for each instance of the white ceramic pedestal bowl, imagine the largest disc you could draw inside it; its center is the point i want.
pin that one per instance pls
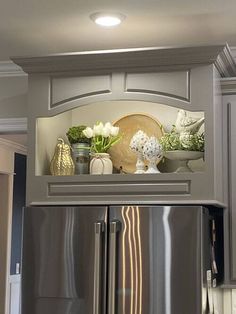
(183, 156)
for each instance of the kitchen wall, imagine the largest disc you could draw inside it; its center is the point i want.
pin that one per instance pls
(13, 95)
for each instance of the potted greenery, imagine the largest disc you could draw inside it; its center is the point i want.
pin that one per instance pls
(75, 135)
(182, 147)
(80, 148)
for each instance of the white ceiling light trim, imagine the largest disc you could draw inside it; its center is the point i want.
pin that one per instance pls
(107, 19)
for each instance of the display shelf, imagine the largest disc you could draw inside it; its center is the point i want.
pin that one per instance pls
(49, 129)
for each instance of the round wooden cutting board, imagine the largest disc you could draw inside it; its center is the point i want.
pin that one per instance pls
(121, 155)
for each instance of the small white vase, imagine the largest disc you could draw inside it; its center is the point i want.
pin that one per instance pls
(101, 164)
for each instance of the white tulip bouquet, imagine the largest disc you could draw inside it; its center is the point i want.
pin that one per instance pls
(102, 136)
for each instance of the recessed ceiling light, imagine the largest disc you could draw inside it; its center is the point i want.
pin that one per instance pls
(106, 19)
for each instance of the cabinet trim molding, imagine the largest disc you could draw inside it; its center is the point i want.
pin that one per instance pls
(8, 68)
(136, 60)
(107, 188)
(13, 125)
(228, 86)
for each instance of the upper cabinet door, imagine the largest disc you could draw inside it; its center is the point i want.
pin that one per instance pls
(231, 106)
(229, 151)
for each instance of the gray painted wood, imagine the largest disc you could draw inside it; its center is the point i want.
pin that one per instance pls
(217, 136)
(225, 146)
(182, 77)
(132, 60)
(229, 148)
(125, 188)
(169, 84)
(230, 169)
(122, 189)
(228, 86)
(68, 89)
(13, 125)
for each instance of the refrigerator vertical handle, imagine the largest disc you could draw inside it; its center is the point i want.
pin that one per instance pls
(115, 227)
(98, 229)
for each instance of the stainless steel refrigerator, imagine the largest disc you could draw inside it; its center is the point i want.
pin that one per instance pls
(115, 260)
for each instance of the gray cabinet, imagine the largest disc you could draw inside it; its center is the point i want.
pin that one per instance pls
(232, 184)
(62, 86)
(229, 105)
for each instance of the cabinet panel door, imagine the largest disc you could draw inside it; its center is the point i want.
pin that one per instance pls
(232, 184)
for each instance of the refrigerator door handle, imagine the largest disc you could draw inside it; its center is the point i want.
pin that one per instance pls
(98, 229)
(115, 226)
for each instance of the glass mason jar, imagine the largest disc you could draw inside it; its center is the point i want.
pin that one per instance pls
(81, 157)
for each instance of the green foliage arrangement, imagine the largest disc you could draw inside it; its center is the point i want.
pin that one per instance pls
(174, 141)
(75, 135)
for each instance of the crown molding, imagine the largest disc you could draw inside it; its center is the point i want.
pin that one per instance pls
(225, 62)
(233, 52)
(16, 147)
(9, 69)
(228, 86)
(13, 125)
(145, 59)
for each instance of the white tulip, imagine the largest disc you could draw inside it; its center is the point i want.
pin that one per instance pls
(98, 128)
(88, 132)
(114, 130)
(108, 125)
(106, 131)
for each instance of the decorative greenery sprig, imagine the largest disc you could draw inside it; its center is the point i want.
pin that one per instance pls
(184, 141)
(102, 137)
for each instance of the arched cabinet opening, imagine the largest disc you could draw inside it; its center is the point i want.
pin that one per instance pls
(154, 119)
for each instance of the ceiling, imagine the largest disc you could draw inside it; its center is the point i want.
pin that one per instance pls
(38, 27)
